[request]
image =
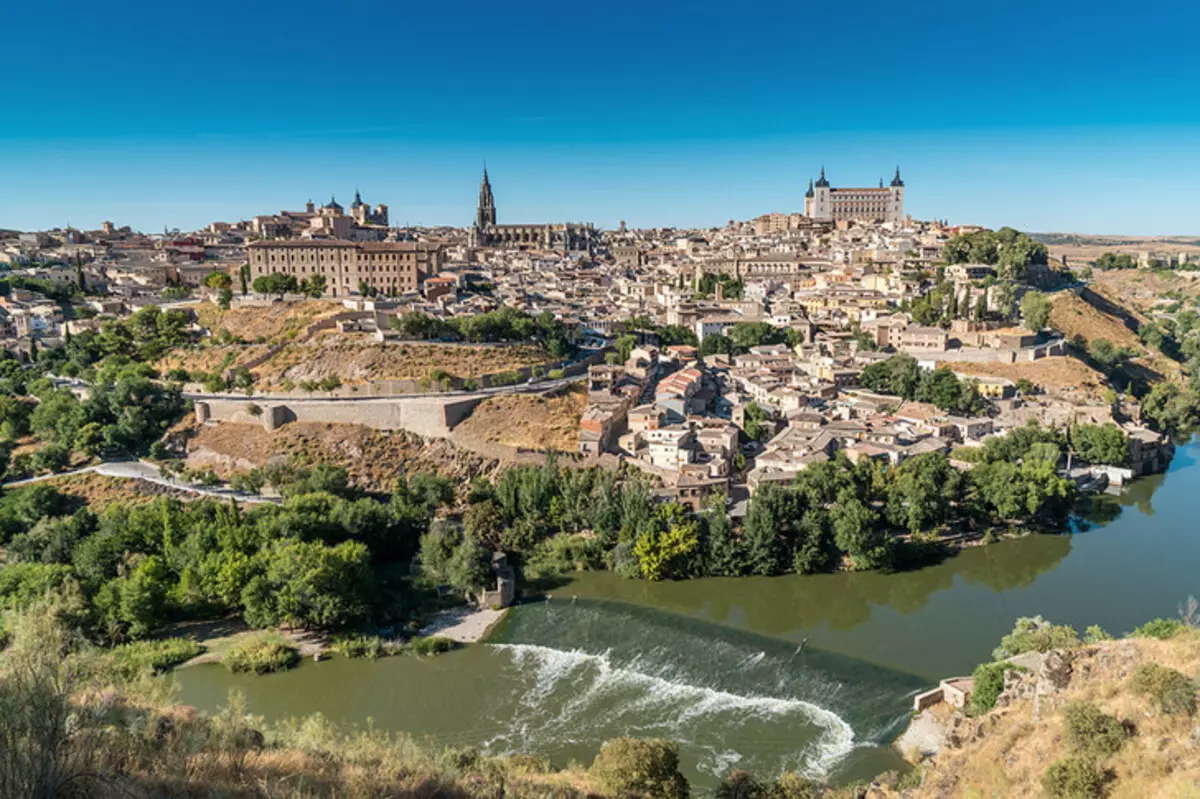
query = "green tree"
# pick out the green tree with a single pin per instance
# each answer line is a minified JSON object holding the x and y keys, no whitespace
{"x":1104,"y":443}
{"x":856,"y":533}
{"x":275,"y":283}
{"x":1035,"y":310}
{"x":218,"y":280}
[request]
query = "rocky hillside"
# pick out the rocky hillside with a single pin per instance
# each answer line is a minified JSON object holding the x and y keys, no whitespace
{"x":373,"y":458}
{"x":1114,"y":719}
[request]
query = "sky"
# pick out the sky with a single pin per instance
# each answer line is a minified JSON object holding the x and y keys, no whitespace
{"x":1048,"y":116}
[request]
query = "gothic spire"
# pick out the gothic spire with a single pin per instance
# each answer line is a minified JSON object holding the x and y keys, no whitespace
{"x":896,"y":181}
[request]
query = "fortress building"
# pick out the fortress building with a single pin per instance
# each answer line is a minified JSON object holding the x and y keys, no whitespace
{"x":883,"y":204}
{"x":564,"y":236}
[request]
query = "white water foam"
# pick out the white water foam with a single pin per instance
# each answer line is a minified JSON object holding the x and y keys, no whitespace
{"x":671,"y":702}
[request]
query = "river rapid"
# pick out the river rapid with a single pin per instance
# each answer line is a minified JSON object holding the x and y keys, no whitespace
{"x":809,"y":673}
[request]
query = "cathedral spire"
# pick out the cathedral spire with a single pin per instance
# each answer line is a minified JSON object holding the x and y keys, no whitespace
{"x":896,"y":181}
{"x":485,"y":212}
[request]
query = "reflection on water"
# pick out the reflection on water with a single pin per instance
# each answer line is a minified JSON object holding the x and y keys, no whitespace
{"x":1133,"y":559}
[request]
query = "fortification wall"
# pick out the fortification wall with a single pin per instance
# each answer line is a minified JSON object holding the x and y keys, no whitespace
{"x":431,"y":417}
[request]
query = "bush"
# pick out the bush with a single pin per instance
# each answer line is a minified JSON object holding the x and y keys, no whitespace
{"x":1091,"y":731}
{"x":159,"y":451}
{"x":556,"y":374}
{"x":791,"y":785}
{"x":158,"y":656}
{"x":741,"y":785}
{"x":1170,"y":691}
{"x":1035,"y":634}
{"x":1162,"y":629}
{"x":1073,"y":778}
{"x":261,"y":655}
{"x":989,"y":682}
{"x":253,"y":409}
{"x":630,"y":767}
{"x":432,"y":645}
{"x":1095,"y":634}
{"x":361,"y":646}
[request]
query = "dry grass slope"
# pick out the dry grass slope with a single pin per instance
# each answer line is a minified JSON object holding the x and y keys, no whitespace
{"x":373,"y":458}
{"x":528,"y":421}
{"x":1160,"y":759}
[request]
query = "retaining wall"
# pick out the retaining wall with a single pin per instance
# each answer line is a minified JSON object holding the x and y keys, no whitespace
{"x":431,"y":417}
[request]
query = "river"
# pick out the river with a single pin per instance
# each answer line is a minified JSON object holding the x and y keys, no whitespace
{"x":717,"y":664}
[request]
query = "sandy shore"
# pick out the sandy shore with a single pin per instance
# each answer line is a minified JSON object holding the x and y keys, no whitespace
{"x":464,"y":625}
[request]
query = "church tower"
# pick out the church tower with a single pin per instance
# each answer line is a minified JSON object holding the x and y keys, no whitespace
{"x":897,"y":196}
{"x":485,"y":213}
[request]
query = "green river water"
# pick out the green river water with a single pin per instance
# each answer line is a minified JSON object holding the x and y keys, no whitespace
{"x":716,"y":664}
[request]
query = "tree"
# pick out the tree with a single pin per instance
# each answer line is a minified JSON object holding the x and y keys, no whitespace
{"x":768,"y":520}
{"x":856,"y":533}
{"x":314,"y":286}
{"x":715,"y":343}
{"x":1035,"y":310}
{"x":665,"y":553}
{"x":224,"y":299}
{"x":625,"y":345}
{"x":755,"y":422}
{"x":1105,"y":443}
{"x":310,"y":584}
{"x":922,"y":492}
{"x":275,"y":283}
{"x":745,"y":335}
{"x":219,"y":280}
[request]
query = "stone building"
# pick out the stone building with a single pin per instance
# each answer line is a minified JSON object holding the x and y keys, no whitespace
{"x":883,"y":204}
{"x":485,"y":232}
{"x":389,"y":267}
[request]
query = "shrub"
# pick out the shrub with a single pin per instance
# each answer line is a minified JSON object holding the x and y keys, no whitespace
{"x":159,"y":451}
{"x":361,"y":646}
{"x":253,"y":409}
{"x":432,"y":645}
{"x":1073,"y":778}
{"x":1095,"y":634}
{"x":989,"y":682}
{"x":261,"y":655}
{"x":1091,"y":731}
{"x":330,"y":383}
{"x":1035,"y":634}
{"x":741,"y":785}
{"x":556,"y":374}
{"x":791,"y":785}
{"x":1170,"y":691}
{"x":629,"y":767}
{"x":157,"y":656}
{"x":1162,"y":629}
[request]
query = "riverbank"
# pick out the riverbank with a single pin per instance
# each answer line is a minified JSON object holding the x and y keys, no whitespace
{"x":465,"y":625}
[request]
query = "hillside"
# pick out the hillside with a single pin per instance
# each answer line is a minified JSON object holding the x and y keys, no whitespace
{"x":1094,"y":316}
{"x":1007,"y":751}
{"x":1058,"y":375}
{"x":373,"y":458}
{"x":527,"y":421}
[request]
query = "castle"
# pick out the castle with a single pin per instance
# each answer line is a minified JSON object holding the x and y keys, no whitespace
{"x":564,"y":236}
{"x":883,"y":204}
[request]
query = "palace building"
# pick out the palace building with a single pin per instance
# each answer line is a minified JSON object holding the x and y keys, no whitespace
{"x":883,"y":204}
{"x":564,"y":236}
{"x":390,"y":267}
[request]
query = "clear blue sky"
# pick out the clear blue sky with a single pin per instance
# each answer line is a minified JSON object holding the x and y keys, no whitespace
{"x":1045,"y":115}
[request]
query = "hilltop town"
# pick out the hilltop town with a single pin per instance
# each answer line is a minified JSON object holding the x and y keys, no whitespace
{"x":714,"y":361}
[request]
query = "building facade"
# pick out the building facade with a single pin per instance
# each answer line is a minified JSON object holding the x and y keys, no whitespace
{"x":485,"y":232}
{"x":883,"y":204}
{"x":389,"y":267}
